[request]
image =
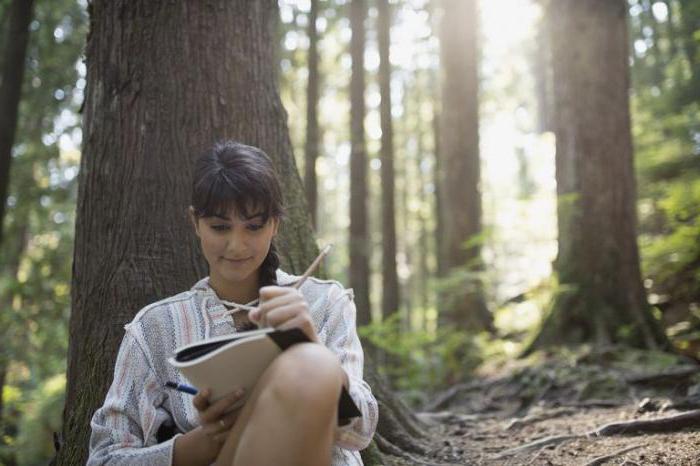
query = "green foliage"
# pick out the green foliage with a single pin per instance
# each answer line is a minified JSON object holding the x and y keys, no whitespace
{"x":423,"y":361}
{"x":666,"y":129}
{"x":35,"y":256}
{"x":42,"y":417}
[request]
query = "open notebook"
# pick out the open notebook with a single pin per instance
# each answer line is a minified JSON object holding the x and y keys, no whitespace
{"x":238,"y":360}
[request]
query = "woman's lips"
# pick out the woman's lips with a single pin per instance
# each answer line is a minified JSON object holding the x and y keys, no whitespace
{"x":236,"y":261}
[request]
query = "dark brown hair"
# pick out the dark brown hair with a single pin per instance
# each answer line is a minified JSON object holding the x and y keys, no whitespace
{"x":234,"y":176}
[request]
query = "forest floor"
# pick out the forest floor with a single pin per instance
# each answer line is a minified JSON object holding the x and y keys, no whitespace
{"x":585,"y":409}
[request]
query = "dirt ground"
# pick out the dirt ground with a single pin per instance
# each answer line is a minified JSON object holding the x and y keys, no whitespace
{"x":488,"y":420}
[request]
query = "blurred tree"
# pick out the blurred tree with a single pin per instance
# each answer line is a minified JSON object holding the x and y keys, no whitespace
{"x":601,"y":297}
{"x":34,"y":272}
{"x":313,"y":136}
{"x":359,"y":229}
{"x":19,"y":16}
{"x":390,"y":281}
{"x":460,"y":200}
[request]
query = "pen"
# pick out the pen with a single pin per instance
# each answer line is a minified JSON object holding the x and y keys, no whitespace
{"x":181,"y":387}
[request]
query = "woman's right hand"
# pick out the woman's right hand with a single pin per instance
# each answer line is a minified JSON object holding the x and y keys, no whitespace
{"x":216,"y":419}
{"x":201,"y":446}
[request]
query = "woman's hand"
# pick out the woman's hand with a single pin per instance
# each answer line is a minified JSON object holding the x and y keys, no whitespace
{"x":216,"y":419}
{"x":284,"y":308}
{"x":201,"y":446}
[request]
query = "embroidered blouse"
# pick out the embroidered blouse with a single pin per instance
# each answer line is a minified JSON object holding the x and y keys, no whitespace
{"x":124,"y":429}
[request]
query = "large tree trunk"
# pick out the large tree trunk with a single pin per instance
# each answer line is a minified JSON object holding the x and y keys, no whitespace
{"x":390,"y":281}
{"x":312,"y":130}
{"x":460,"y":199}
{"x":602,"y":299}
{"x":359,"y":231}
{"x":143,"y":129}
{"x":19,"y":15}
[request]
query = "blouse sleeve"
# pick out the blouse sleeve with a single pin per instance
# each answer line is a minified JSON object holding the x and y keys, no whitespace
{"x":124,"y":428}
{"x":341,"y":338}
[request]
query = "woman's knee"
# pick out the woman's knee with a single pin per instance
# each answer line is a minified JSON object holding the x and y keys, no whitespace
{"x":306,"y":372}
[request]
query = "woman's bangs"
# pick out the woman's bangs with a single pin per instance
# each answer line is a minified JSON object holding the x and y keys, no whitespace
{"x":246,"y":199}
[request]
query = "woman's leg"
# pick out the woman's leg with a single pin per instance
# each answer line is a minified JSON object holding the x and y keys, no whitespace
{"x":291,"y":415}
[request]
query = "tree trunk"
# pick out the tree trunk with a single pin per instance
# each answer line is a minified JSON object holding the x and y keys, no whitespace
{"x":19,"y":16}
{"x":601,"y":299}
{"x":542,"y":71}
{"x":390,"y":288}
{"x":143,"y":130}
{"x":460,"y":199}
{"x":312,"y":130}
{"x":359,"y":237}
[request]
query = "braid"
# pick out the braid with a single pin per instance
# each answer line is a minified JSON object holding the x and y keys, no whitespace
{"x":268,"y":269}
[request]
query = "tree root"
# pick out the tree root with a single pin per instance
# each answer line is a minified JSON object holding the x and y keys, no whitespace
{"x":602,"y":459}
{"x":665,"y":424}
{"x":534,"y":418}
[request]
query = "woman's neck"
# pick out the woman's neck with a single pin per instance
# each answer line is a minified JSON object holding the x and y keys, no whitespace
{"x":239,"y":292}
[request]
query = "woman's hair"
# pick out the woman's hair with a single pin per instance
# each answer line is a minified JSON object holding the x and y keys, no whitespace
{"x":234,"y":176}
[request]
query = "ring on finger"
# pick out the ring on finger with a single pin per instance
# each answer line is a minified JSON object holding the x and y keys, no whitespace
{"x":222,"y":423}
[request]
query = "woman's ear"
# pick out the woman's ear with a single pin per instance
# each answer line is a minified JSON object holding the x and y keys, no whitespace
{"x":194,"y":220}
{"x":275,"y":226}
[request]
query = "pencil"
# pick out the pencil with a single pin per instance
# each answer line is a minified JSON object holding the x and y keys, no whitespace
{"x":313,"y":266}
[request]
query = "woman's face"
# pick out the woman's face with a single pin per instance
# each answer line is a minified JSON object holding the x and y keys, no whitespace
{"x":235,"y":246}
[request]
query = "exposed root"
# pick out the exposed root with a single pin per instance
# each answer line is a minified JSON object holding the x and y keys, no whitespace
{"x":665,"y":424}
{"x":602,"y":459}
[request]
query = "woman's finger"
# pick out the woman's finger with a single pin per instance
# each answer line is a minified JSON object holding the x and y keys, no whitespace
{"x":290,"y":296}
{"x":280,"y":315}
{"x":201,"y":399}
{"x":218,"y":409}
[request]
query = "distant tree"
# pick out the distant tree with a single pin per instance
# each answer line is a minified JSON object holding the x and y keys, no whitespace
{"x":313,"y":136}
{"x":359,"y":230}
{"x":390,"y":281}
{"x":19,"y":15}
{"x":601,"y":297}
{"x":460,"y":199}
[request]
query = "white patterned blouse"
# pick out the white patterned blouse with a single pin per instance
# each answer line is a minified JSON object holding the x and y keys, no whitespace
{"x":124,"y":429}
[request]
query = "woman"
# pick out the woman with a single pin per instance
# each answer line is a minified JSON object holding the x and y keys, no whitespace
{"x":290,"y":417}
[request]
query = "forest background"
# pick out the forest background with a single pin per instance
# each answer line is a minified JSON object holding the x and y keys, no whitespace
{"x":510,"y":271}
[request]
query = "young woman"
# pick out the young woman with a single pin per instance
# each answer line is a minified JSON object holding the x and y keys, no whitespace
{"x":290,"y":417}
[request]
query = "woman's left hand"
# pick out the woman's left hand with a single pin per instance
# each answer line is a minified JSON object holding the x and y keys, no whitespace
{"x":284,"y":308}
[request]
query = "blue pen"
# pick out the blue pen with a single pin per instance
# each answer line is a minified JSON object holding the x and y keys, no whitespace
{"x":181,"y":387}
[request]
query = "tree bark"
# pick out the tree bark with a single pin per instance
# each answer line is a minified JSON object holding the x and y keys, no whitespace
{"x":460,"y":199}
{"x":359,"y":231}
{"x":312,"y":129}
{"x":142,"y":131}
{"x":19,"y":15}
{"x":601,"y":298}
{"x":390,"y":288}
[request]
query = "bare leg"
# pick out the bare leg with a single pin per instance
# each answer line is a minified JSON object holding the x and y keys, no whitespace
{"x":291,"y":415}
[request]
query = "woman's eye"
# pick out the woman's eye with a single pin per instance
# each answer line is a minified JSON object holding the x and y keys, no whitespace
{"x":254,"y":226}
{"x":220,"y":227}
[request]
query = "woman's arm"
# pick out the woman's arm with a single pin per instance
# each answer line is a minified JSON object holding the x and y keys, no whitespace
{"x":124,"y":428}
